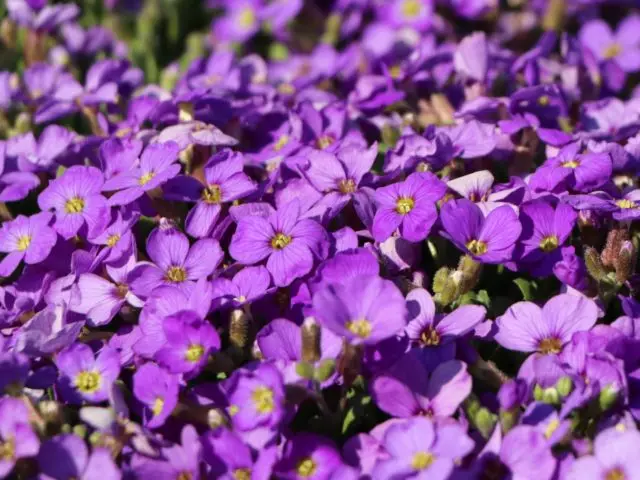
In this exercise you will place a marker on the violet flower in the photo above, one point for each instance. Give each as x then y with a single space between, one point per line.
308 456
17 438
157 390
247 285
67 456
26 238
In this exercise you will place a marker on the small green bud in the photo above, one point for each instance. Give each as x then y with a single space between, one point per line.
564 386
278 51
508 419
325 370
80 430
485 421
550 395
390 135
607 398
305 370
440 279
594 264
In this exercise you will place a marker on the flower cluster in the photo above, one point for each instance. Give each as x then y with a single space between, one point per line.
342 239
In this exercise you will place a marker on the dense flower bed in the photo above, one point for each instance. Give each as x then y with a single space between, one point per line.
350 239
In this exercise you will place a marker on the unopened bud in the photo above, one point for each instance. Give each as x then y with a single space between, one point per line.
625 262
311 335
440 280
615 239
484 421
80 430
594 264
325 370
546 395
8 33
508 419
305 370
390 135
216 418
470 270
50 411
564 386
608 398
185 111
239 328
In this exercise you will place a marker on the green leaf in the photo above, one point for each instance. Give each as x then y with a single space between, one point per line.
528 288
482 297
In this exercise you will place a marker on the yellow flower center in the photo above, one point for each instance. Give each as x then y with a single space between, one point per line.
184 476
286 89
477 247
361 328
8 449
411 8
422 460
306 467
404 205
346 185
146 178
247 18
324 141
395 71
612 51
550 345
242 474
624 203
571 164
280 241
232 410
194 353
74 205
263 399
551 428
544 100
212 194
88 382
430 336
23 242
122 290
615 474
281 143
185 111
112 240
549 243
158 405
176 274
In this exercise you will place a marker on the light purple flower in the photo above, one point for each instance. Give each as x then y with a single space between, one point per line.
17 438
158 390
26 238
247 285
620 47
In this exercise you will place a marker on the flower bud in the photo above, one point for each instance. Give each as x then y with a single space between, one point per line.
615 239
594 264
564 386
608 398
484 421
305 370
311 334
325 370
239 328
625 262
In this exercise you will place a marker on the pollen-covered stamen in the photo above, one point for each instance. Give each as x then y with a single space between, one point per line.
286 89
571 164
194 353
8 449
280 240
212 194
176 274
612 51
325 141
112 240
544 100
361 327
88 381
263 399
615 474
247 18
346 185
551 428
146 178
477 247
550 345
549 243
23 242
158 405
422 460
281 143
242 474
411 8
626 204
306 467
404 205
430 336
74 205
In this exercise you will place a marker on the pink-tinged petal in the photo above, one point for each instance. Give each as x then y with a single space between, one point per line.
324 171
357 161
385 222
596 36
394 397
522 327
614 448
629 59
566 314
462 320
417 224
449 385
204 257
293 261
627 31
167 248
10 263
313 235
476 183
201 219
101 466
252 240
525 450
97 298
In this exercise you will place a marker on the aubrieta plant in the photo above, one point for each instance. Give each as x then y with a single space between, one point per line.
319 239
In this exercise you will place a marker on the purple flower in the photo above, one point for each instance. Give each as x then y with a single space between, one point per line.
544 231
487 240
47 332
409 206
417 14
620 47
190 341
26 238
17 438
363 309
100 299
571 270
240 22
419 448
288 242
85 376
156 166
42 18
224 183
67 456
307 455
247 285
408 389
42 154
76 199
525 327
117 239
471 58
436 334
175 263
570 169
157 390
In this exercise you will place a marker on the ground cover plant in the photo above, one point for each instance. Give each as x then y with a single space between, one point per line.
348 239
